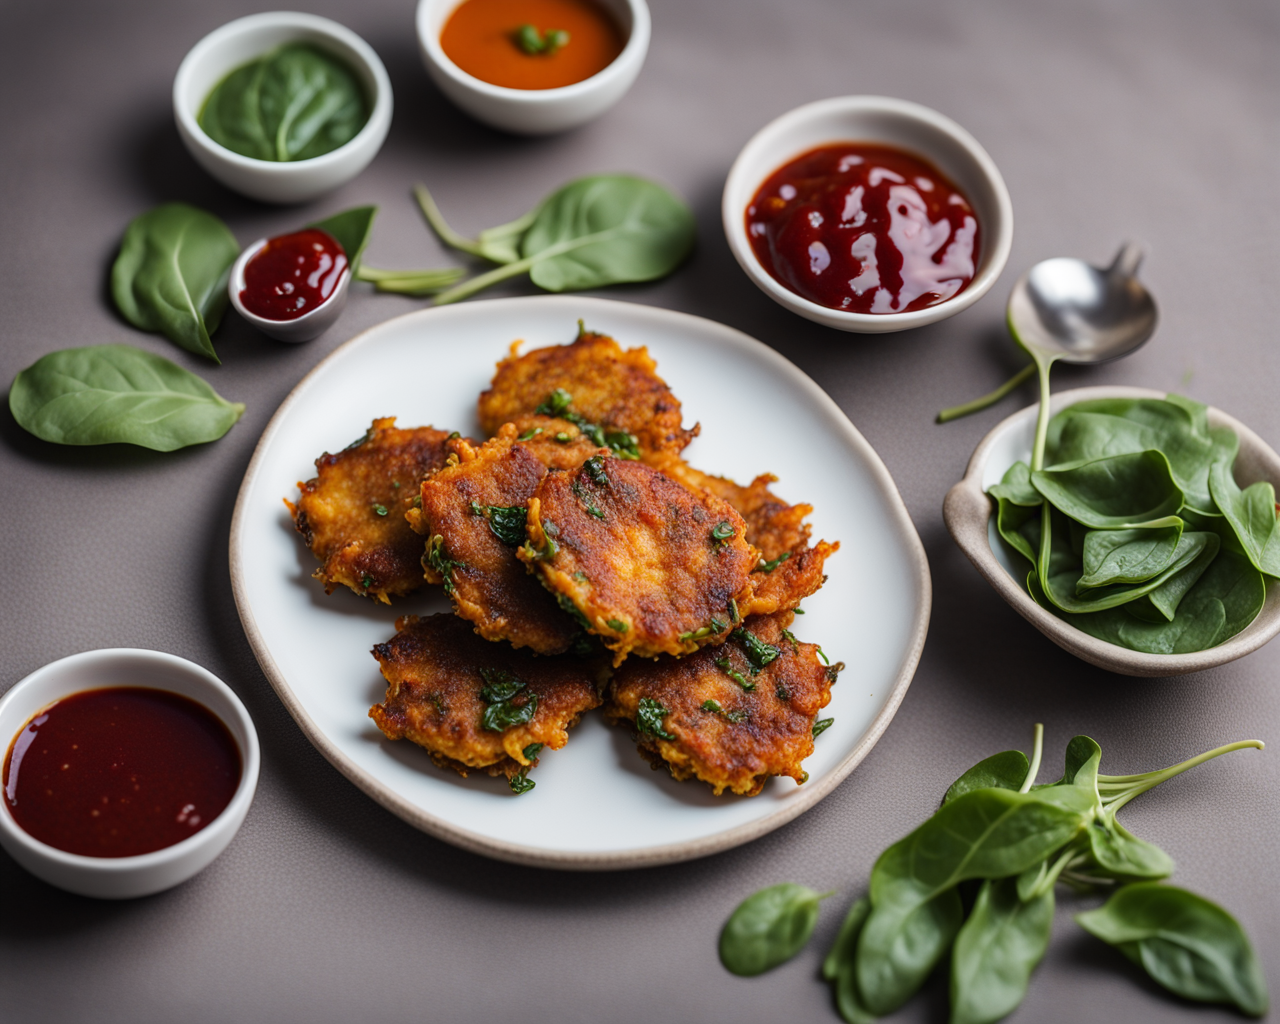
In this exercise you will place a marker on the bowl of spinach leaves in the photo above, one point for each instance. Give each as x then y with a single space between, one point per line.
282 106
1149 543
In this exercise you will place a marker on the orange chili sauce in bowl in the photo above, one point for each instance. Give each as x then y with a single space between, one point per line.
480 37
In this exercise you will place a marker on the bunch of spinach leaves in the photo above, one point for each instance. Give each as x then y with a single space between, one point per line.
1135 529
600 230
1000 843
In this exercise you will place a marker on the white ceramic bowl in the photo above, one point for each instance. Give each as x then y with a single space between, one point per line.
126 877
240 41
535 111
885 121
969 514
304 328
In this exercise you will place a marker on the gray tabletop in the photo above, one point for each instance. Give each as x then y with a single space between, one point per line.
1154 120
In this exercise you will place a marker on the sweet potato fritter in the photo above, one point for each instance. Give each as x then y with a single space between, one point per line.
352 513
614 396
731 715
650 566
473 514
472 704
784 585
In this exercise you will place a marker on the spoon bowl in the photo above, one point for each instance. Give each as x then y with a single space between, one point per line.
1077 313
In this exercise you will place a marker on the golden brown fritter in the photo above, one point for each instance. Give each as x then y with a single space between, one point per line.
610 393
472 704
650 566
352 513
790 581
773 526
473 514
731 715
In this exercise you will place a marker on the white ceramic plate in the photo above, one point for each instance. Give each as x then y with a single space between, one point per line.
597 805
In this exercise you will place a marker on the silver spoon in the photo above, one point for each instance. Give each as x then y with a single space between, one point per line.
1064 309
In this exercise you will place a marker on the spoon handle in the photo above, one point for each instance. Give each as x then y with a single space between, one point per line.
1127 260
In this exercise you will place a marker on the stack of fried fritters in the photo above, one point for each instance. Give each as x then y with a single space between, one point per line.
593 566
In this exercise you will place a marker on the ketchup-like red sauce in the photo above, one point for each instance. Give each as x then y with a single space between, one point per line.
864 229
120 771
291 275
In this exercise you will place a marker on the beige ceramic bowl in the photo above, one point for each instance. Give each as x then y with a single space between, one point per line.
969 516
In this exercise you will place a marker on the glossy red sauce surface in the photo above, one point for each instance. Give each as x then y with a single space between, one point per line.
120 771
291 275
864 229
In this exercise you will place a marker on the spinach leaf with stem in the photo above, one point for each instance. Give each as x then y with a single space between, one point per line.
1184 942
596 231
1127 556
1005 770
996 950
171 274
351 228
839 965
410 282
105 394
769 928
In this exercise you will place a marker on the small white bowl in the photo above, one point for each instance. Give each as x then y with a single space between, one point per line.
535 111
240 41
142 875
970 516
304 328
884 121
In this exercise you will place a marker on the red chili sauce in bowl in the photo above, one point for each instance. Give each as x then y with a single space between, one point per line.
292 275
865 229
119 772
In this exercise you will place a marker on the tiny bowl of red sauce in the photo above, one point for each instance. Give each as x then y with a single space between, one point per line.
291 287
868 214
533 67
125 771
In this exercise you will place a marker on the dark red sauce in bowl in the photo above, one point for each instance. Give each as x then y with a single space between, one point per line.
119 772
865 229
293 274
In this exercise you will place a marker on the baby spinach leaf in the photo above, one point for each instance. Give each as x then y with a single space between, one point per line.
117 393
1122 491
997 949
1127 556
1005 770
1186 943
1019 526
171 274
1252 515
293 103
769 928
986 833
839 965
1118 853
1227 597
1016 486
596 231
351 228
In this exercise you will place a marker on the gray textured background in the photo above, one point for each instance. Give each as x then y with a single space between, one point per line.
1155 119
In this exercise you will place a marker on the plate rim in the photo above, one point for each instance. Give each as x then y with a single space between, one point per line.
638 857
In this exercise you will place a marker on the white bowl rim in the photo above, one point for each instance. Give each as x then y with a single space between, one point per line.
967 510
235 285
379 111
250 755
635 47
735 230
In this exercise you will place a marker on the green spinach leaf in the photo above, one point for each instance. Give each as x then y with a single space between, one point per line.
649 718
1252 515
596 231
351 228
1186 943
1119 492
769 928
171 274
1016 487
1127 556
293 103
997 949
839 965
117 393
1118 853
1005 770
